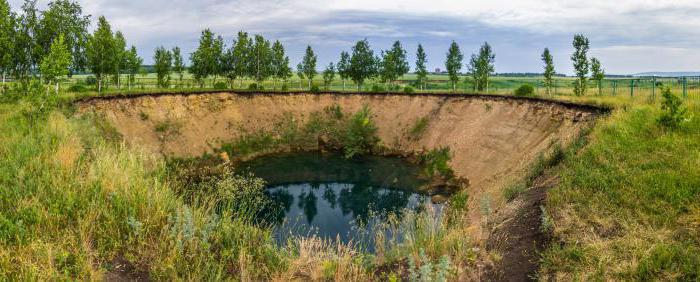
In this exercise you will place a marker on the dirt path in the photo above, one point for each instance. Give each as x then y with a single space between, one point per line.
519 238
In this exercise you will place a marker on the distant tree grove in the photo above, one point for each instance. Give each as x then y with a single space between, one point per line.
55 43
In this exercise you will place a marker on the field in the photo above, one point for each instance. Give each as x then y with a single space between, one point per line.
76 203
639 87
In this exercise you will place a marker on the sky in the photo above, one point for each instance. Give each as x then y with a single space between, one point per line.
628 36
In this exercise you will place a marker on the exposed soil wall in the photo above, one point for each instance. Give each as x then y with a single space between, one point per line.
493 138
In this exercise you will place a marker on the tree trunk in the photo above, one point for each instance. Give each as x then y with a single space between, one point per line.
99 85
57 87
343 84
309 83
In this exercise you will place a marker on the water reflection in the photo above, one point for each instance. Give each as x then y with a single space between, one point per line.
332 197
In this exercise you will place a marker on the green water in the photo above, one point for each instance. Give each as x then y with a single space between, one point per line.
332 197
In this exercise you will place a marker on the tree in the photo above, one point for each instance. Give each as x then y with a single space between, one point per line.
205 60
55 64
241 55
598 74
300 73
548 70
421 70
133 65
280 63
344 67
178 64
328 75
26 50
163 63
100 51
363 63
309 64
119 57
261 59
65 18
580 61
453 64
394 64
7 28
481 67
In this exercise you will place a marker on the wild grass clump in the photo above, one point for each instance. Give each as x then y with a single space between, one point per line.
525 90
419 128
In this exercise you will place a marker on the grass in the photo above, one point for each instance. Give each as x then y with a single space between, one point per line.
74 200
627 207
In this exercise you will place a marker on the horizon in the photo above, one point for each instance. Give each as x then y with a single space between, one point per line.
624 35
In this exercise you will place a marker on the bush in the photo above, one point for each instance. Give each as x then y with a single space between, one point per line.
220 85
360 137
255 86
91 80
408 90
77 88
285 87
525 90
673 112
435 162
315 89
376 88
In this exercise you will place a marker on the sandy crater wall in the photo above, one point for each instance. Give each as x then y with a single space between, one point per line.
493 138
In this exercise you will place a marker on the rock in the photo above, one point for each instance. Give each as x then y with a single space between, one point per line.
439 199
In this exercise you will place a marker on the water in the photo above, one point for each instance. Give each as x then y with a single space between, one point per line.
332 197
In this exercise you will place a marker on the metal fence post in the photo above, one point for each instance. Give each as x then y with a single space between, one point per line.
632 88
685 87
614 82
653 87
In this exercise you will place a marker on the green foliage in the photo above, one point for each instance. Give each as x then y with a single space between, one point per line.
597 73
419 128
248 144
672 111
580 61
481 66
163 65
178 62
363 64
205 60
64 18
56 63
360 137
376 88
328 75
436 162
459 202
101 50
423 269
548 70
344 67
453 64
308 64
421 69
220 85
393 64
280 62
525 90
261 59
408 90
315 89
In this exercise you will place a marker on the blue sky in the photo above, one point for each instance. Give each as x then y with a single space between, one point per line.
628 36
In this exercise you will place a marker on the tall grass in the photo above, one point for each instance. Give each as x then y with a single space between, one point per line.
628 206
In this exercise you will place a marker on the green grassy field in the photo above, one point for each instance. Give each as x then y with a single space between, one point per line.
76 203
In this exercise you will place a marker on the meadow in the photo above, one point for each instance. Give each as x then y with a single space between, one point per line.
77 203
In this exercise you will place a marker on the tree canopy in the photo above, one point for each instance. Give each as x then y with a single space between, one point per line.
580 62
308 64
453 64
363 63
548 70
421 69
481 66
55 64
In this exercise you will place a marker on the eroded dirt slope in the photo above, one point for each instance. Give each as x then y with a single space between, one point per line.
493 139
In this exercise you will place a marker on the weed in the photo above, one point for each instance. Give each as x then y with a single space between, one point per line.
436 162
673 112
167 129
513 191
525 90
419 128
360 136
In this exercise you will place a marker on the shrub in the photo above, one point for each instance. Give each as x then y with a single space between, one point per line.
419 128
435 162
525 90
91 80
285 87
315 89
408 90
673 112
77 88
220 85
376 88
255 86
360 136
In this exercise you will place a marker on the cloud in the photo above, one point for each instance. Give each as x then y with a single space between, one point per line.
518 30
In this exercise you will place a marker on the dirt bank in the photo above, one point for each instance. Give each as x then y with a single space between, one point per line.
493 138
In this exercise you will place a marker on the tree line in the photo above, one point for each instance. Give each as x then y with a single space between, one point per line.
55 42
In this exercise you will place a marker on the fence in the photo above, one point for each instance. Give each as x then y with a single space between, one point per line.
686 87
